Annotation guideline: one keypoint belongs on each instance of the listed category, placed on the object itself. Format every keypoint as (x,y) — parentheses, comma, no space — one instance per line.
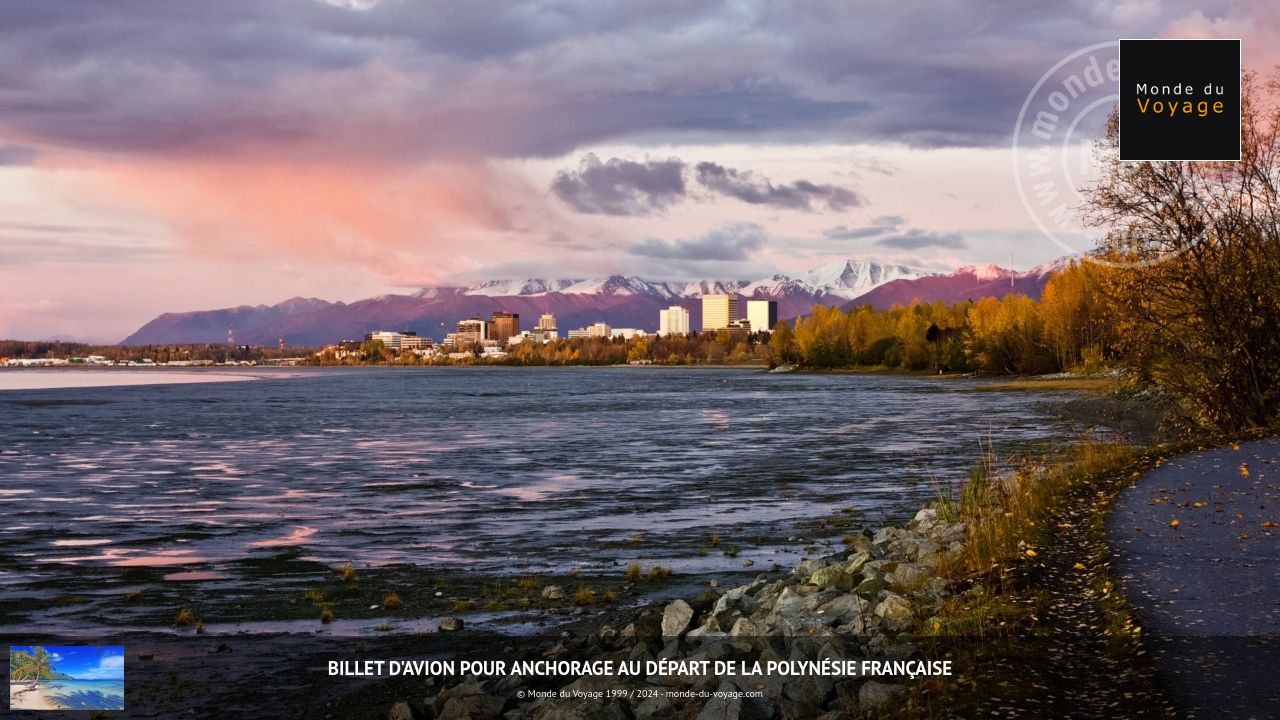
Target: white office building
(762,314)
(673,321)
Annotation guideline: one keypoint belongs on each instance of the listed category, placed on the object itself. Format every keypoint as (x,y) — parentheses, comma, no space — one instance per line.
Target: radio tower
(231,336)
(281,343)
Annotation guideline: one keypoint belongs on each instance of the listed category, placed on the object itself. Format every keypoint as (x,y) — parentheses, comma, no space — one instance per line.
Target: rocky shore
(870,601)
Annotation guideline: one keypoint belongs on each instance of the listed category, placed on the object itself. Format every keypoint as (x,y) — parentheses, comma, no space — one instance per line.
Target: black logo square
(1179,99)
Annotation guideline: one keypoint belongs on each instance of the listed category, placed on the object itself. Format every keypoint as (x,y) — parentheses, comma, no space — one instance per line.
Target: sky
(159,156)
(85,662)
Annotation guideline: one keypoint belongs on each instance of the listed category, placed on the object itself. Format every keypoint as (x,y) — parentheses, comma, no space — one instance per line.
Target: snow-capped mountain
(970,282)
(845,279)
(852,278)
(621,301)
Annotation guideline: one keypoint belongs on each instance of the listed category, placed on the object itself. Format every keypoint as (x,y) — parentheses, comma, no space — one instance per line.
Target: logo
(1180,100)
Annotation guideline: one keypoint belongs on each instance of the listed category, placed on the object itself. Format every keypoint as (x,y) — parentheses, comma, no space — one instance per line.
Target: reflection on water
(499,470)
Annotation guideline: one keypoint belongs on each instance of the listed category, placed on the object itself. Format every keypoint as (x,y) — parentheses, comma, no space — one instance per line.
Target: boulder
(874,693)
(745,627)
(400,711)
(452,624)
(811,690)
(870,588)
(924,521)
(553,592)
(844,607)
(578,710)
(655,707)
(896,612)
(676,618)
(468,701)
(909,576)
(832,577)
(856,562)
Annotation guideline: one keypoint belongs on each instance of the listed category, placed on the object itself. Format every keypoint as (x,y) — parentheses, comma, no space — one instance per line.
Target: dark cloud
(16,155)
(621,187)
(756,190)
(916,239)
(490,78)
(732,242)
(879,226)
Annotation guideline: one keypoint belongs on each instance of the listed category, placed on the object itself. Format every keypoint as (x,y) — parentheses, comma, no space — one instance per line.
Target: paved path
(1196,546)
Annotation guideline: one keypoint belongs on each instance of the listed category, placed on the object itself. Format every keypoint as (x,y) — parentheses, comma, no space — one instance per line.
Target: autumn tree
(1197,250)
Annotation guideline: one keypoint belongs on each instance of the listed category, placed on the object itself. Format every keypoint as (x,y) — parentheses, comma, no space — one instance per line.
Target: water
(220,493)
(73,695)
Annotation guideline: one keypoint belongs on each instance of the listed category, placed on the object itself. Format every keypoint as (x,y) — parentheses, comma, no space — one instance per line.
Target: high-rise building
(719,311)
(547,322)
(762,314)
(471,331)
(673,321)
(503,326)
(599,329)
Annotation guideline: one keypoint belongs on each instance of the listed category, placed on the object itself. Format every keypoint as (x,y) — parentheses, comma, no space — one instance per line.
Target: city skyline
(199,159)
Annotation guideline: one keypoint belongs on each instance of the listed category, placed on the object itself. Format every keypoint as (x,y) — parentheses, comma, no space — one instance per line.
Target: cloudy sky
(159,155)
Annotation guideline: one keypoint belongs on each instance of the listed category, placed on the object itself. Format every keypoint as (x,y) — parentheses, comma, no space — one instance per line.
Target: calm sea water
(83,694)
(489,470)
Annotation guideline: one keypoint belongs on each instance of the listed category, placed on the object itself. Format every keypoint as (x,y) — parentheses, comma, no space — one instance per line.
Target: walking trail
(1196,550)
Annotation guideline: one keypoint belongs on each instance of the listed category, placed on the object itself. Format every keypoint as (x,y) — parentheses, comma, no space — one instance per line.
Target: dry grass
(391,601)
(1089,385)
(326,615)
(659,571)
(585,597)
(636,572)
(461,606)
(185,617)
(348,574)
(1004,509)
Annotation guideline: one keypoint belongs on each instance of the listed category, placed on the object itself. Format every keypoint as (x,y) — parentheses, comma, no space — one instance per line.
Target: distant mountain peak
(990,271)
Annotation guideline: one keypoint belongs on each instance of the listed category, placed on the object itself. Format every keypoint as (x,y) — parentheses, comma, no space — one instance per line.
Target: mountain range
(621,301)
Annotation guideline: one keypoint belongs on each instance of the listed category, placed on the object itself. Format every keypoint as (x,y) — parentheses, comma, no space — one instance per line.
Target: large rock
(811,690)
(745,627)
(654,708)
(844,607)
(676,618)
(832,577)
(874,693)
(896,612)
(576,709)
(908,576)
(870,588)
(400,711)
(924,521)
(720,707)
(452,624)
(856,562)
(468,701)
(553,592)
